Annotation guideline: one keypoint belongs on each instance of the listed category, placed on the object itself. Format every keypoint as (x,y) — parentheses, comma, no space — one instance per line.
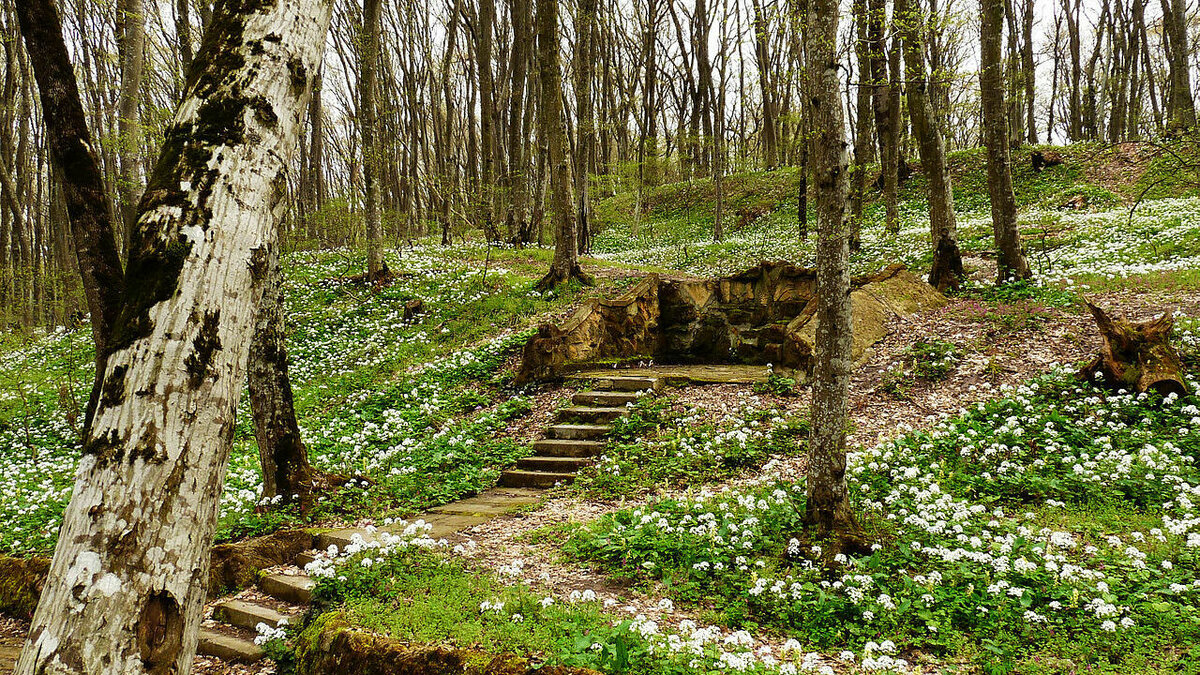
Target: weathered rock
(21,581)
(330,646)
(236,566)
(759,316)
(602,328)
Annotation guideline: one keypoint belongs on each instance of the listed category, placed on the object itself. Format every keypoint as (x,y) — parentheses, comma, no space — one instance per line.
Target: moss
(113,391)
(298,76)
(206,344)
(151,277)
(331,646)
(236,566)
(21,581)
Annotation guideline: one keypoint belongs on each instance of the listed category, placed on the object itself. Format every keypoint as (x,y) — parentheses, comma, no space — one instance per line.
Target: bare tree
(565,265)
(828,506)
(946,270)
(1010,258)
(367,67)
(1182,108)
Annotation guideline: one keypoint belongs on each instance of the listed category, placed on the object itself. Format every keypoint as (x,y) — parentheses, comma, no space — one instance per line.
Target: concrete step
(559,447)
(228,647)
(604,398)
(589,414)
(578,431)
(553,464)
(538,479)
(629,383)
(247,614)
(296,589)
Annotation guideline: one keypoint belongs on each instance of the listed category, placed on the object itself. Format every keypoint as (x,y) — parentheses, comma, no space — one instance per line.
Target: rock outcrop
(762,315)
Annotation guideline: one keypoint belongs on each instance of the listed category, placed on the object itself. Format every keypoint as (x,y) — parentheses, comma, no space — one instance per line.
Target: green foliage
(921,362)
(777,384)
(1053,517)
(655,446)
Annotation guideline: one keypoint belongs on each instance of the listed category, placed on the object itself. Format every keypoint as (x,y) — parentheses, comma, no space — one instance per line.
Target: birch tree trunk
(946,270)
(1010,259)
(828,509)
(130,573)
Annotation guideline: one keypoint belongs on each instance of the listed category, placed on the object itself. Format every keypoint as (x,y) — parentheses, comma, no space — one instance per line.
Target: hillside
(1001,492)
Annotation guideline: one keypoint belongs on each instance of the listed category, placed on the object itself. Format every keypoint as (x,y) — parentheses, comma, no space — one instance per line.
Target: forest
(599,337)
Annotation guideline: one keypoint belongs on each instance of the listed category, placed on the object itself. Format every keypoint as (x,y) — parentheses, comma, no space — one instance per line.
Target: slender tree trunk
(72,149)
(946,270)
(1010,259)
(565,265)
(518,124)
(129,577)
(886,123)
(1029,70)
(1182,114)
(367,130)
(585,30)
(283,457)
(762,54)
(487,117)
(131,29)
(862,122)
(828,506)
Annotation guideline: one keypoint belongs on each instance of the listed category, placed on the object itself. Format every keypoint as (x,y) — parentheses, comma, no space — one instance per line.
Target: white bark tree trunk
(130,572)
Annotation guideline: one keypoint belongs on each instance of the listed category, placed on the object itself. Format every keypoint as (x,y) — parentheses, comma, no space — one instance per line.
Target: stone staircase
(570,444)
(578,436)
(230,633)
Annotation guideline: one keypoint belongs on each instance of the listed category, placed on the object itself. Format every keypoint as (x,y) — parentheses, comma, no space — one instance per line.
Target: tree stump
(1136,356)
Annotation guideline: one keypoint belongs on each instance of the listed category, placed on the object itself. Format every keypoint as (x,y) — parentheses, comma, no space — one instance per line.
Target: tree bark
(1136,356)
(565,265)
(71,148)
(762,54)
(886,103)
(1182,109)
(367,130)
(1010,258)
(946,270)
(131,31)
(862,122)
(130,573)
(585,147)
(828,506)
(281,451)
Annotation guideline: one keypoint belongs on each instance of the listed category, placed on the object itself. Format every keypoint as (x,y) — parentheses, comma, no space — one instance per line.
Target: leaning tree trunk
(72,149)
(286,472)
(130,573)
(1010,259)
(828,507)
(946,270)
(565,265)
(1136,356)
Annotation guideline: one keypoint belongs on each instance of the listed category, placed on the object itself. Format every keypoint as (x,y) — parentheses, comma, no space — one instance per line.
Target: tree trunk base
(564,274)
(947,270)
(1136,356)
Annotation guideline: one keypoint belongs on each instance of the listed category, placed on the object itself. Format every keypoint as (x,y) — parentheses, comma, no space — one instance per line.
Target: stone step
(228,647)
(446,524)
(578,431)
(629,383)
(247,614)
(344,537)
(553,464)
(296,589)
(538,479)
(604,398)
(590,414)
(559,447)
(303,559)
